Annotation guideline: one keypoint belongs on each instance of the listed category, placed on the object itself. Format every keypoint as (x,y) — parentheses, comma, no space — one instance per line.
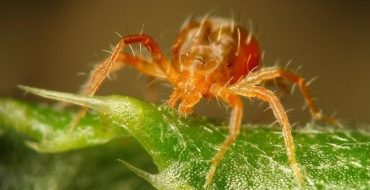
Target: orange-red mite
(212,57)
(217,49)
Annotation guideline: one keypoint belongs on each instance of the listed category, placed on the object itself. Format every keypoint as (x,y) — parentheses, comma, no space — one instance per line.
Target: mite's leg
(102,71)
(263,94)
(140,64)
(188,102)
(153,71)
(233,101)
(122,59)
(271,73)
(174,97)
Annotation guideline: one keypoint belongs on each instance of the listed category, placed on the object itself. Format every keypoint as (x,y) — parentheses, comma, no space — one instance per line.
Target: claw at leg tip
(209,177)
(297,175)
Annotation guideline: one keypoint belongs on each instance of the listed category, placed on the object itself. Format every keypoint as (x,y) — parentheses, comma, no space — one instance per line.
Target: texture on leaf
(182,148)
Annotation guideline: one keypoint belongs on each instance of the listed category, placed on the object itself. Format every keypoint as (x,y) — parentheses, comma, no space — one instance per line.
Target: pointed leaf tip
(163,180)
(145,175)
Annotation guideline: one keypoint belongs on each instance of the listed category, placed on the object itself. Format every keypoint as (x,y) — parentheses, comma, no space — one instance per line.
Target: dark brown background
(47,44)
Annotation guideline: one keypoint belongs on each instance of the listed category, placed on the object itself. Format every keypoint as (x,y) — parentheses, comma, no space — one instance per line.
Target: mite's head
(201,58)
(215,50)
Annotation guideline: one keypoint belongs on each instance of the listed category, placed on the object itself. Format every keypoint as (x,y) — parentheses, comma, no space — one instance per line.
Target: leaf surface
(182,148)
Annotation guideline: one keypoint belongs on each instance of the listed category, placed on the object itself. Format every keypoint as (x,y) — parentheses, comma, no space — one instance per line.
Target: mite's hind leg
(265,95)
(272,73)
(236,104)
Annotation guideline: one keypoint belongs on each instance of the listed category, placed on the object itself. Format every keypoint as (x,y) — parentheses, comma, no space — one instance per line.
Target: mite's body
(215,51)
(212,57)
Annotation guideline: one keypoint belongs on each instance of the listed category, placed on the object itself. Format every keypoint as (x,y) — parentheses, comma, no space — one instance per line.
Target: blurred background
(54,44)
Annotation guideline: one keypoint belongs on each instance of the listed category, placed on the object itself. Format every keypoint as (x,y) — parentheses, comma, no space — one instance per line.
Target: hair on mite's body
(211,57)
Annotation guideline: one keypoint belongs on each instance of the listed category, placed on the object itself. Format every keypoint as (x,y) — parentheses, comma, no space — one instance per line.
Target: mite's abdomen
(247,55)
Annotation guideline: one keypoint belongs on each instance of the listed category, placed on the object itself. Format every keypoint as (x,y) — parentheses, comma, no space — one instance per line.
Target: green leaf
(48,127)
(92,168)
(182,148)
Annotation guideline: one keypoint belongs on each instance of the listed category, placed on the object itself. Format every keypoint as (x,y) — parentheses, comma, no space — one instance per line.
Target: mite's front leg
(236,104)
(187,101)
(265,95)
(102,71)
(122,59)
(174,97)
(97,77)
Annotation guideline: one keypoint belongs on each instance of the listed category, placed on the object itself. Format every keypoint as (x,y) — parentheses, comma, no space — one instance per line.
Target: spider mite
(211,57)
